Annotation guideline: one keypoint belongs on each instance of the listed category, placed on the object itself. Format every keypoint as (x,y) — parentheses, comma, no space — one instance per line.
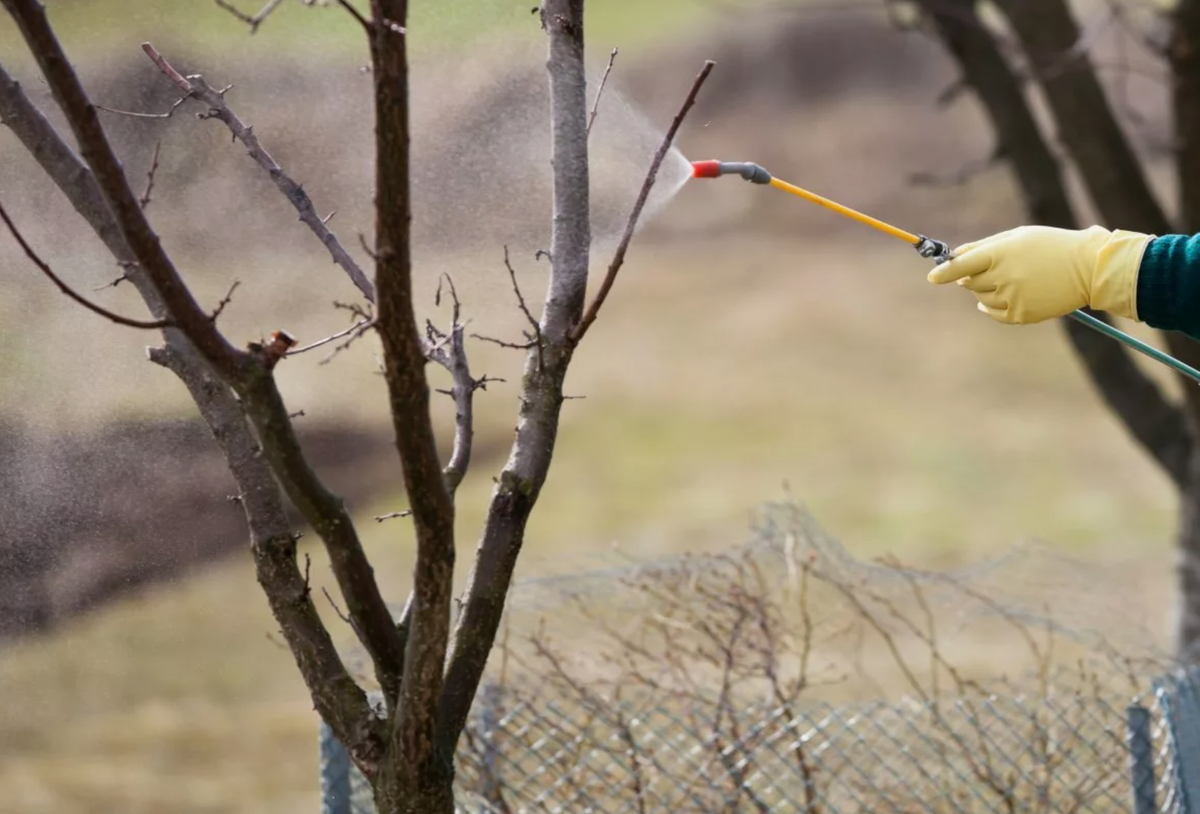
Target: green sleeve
(1168,285)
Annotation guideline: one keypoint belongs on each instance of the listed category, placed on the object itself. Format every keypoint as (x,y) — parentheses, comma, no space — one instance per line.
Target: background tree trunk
(1116,183)
(1184,57)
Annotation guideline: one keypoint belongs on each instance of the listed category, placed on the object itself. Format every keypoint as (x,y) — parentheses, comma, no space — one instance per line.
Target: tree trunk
(433,794)
(1184,57)
(1117,184)
(1150,418)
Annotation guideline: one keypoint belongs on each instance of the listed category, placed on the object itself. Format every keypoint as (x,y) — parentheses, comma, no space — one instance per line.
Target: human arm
(1168,284)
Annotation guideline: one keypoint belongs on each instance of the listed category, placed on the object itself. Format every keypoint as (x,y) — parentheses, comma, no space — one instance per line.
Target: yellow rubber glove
(1034,273)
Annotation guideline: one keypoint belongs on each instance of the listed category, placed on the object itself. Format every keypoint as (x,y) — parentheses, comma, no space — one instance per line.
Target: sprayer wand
(936,250)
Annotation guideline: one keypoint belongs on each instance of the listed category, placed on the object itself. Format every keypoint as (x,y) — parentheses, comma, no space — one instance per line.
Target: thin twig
(957,177)
(294,192)
(170,111)
(356,14)
(66,289)
(114,283)
(536,339)
(361,325)
(504,344)
(145,199)
(335,607)
(610,277)
(255,21)
(612,57)
(379,518)
(228,298)
(166,68)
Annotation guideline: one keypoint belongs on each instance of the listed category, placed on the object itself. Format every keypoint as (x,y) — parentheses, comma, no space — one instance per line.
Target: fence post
(1141,759)
(491,699)
(335,773)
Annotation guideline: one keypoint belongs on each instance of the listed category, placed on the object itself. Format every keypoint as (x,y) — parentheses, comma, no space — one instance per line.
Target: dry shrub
(736,682)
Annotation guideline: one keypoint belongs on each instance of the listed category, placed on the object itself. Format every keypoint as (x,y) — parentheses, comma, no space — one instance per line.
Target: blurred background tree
(1044,48)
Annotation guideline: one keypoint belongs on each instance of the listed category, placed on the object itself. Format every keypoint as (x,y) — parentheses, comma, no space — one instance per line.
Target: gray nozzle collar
(750,171)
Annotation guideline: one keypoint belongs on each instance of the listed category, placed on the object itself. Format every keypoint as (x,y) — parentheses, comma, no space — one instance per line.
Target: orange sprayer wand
(936,250)
(755,174)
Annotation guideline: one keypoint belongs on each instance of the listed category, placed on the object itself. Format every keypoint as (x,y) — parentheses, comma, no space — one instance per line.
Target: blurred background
(755,346)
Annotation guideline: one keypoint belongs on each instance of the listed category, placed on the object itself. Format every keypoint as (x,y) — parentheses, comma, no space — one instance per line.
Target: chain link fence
(1000,753)
(735,682)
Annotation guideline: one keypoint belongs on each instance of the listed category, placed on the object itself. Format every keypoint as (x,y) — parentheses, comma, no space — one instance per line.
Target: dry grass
(750,341)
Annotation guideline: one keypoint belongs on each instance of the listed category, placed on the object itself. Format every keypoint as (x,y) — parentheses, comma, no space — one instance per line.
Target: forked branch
(253,21)
(337,698)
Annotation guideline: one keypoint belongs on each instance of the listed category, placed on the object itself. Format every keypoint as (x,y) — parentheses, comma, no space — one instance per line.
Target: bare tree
(429,662)
(1088,132)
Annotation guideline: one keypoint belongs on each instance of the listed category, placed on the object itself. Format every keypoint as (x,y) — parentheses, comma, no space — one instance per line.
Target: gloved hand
(1034,273)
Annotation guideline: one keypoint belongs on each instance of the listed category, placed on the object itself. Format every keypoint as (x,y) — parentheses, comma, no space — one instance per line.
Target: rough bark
(1183,53)
(521,481)
(414,757)
(336,697)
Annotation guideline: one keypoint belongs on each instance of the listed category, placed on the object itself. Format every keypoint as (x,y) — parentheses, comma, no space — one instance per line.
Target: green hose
(1138,345)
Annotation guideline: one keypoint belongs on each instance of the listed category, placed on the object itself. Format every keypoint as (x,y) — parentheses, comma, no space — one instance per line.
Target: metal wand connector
(936,250)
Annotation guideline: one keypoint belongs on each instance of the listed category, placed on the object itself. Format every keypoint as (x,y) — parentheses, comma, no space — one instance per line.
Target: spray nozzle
(714,169)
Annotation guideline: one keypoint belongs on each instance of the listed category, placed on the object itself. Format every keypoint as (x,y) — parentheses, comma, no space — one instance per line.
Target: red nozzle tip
(706,169)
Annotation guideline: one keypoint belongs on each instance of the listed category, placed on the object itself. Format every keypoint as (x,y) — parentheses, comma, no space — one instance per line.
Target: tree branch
(255,21)
(356,14)
(408,392)
(519,484)
(450,352)
(66,289)
(297,197)
(354,331)
(612,57)
(144,200)
(1085,119)
(340,702)
(327,514)
(80,113)
(338,699)
(248,373)
(618,260)
(1126,389)
(534,340)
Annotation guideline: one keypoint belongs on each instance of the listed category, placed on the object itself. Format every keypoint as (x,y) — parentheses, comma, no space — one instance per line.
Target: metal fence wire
(1097,752)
